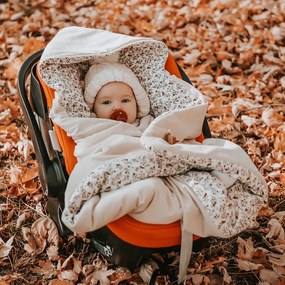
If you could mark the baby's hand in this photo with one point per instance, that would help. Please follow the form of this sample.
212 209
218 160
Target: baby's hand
170 138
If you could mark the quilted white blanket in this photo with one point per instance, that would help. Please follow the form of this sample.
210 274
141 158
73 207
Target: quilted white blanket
212 187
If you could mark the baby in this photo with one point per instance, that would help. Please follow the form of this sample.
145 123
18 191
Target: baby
112 91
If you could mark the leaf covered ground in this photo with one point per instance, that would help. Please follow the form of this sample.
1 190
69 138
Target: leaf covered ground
233 52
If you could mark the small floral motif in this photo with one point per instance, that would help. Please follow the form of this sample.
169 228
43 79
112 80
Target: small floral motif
147 61
232 210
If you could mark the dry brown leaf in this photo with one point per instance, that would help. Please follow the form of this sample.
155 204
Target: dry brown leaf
279 142
11 72
245 248
280 216
31 187
282 81
100 275
32 45
198 279
277 259
192 57
52 252
68 275
43 231
35 245
87 269
271 118
60 282
22 218
147 269
221 124
222 55
226 277
266 212
249 121
25 147
248 266
7 279
10 215
121 274
217 107
5 247
15 174
46 268
280 270
276 229
268 276
75 264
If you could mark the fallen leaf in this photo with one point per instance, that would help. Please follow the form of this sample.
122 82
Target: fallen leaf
277 259
60 282
198 279
46 268
12 70
271 118
217 107
100 276
35 245
147 269
15 174
32 45
276 229
266 212
121 274
22 218
245 248
7 279
282 81
249 121
279 142
5 248
68 275
268 275
25 147
226 277
280 216
248 266
42 232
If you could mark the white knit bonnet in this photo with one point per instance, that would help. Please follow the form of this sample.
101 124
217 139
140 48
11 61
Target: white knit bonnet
101 74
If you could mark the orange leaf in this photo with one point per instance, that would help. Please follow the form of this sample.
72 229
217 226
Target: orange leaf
11 72
217 107
32 45
279 142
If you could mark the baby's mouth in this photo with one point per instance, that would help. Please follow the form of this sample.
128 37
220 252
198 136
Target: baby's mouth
119 115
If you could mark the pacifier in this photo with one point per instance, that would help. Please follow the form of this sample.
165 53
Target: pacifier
119 115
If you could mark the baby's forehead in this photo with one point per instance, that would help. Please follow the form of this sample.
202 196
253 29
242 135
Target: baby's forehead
115 90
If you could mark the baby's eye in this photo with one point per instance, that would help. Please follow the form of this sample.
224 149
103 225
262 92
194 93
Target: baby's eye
125 100
107 102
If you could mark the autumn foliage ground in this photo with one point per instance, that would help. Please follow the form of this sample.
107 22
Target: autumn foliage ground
233 51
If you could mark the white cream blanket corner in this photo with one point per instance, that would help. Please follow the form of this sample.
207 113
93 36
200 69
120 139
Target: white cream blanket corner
213 187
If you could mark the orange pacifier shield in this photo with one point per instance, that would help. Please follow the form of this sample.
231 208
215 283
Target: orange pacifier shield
119 115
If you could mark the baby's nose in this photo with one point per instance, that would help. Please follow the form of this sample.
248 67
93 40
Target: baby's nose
118 106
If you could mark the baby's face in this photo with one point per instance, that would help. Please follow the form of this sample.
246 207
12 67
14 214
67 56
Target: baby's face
116 101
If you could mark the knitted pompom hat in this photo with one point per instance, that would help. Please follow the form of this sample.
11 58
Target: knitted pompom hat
99 75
